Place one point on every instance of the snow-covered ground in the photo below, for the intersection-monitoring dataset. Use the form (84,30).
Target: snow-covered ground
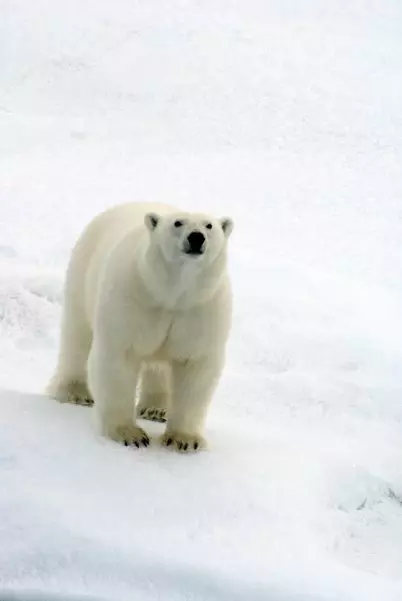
(287,116)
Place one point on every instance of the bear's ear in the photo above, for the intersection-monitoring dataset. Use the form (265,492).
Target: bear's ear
(151,220)
(227,226)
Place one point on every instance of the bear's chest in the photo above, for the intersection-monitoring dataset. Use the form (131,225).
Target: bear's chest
(165,336)
(189,337)
(197,333)
(148,333)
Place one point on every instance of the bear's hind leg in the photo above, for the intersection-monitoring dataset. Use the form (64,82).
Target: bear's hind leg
(69,383)
(154,394)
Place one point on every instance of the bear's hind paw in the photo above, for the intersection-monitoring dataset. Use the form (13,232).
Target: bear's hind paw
(73,392)
(153,414)
(83,400)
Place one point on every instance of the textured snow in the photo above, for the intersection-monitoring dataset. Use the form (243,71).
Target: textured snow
(286,116)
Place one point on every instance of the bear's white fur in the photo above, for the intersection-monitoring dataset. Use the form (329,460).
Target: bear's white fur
(138,307)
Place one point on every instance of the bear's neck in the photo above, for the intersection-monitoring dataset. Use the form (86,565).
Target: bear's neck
(184,285)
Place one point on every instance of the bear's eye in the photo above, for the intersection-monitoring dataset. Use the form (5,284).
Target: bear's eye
(178,223)
(209,226)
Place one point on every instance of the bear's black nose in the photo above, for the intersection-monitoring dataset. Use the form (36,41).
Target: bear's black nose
(195,243)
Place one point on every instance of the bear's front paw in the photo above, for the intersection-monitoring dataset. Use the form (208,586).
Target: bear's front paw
(185,443)
(130,435)
(153,414)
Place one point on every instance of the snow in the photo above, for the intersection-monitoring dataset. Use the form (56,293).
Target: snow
(286,116)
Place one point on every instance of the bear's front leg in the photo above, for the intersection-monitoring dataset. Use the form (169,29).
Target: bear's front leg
(112,379)
(193,384)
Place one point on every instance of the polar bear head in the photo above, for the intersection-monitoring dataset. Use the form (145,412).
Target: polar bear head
(185,237)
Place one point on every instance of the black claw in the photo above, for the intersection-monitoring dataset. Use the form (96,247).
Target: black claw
(185,446)
(137,445)
(195,446)
(125,443)
(180,445)
(169,442)
(145,441)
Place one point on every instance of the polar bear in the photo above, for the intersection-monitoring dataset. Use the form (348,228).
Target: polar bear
(147,301)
